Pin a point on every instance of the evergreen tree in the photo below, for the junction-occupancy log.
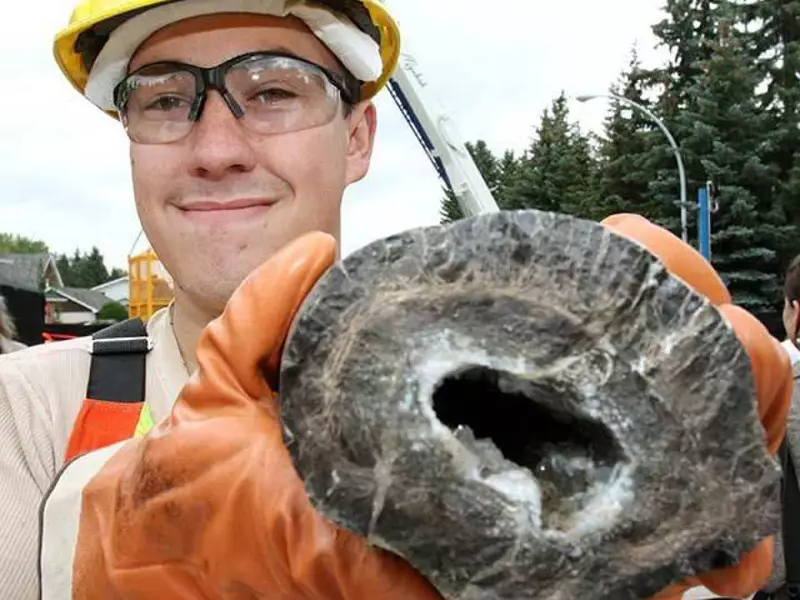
(623, 180)
(486, 162)
(64, 268)
(689, 30)
(509, 169)
(451, 209)
(557, 172)
(488, 167)
(95, 270)
(725, 137)
(688, 27)
(774, 37)
(84, 270)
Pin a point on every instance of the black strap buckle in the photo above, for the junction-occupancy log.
(123, 345)
(118, 369)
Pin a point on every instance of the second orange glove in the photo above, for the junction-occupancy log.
(771, 371)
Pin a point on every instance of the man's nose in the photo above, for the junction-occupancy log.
(220, 145)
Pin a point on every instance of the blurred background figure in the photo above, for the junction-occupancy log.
(791, 310)
(7, 330)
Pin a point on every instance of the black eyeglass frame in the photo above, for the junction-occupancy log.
(213, 78)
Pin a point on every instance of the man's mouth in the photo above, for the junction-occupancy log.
(226, 212)
(226, 205)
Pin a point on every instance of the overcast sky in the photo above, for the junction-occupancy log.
(63, 163)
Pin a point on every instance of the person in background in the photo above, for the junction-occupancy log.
(785, 564)
(7, 330)
(791, 311)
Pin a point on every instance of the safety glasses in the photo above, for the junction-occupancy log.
(268, 92)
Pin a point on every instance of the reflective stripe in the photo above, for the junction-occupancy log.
(101, 423)
(115, 390)
(61, 513)
(145, 423)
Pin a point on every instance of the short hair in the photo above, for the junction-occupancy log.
(7, 328)
(791, 284)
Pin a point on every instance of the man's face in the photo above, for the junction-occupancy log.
(295, 179)
(791, 313)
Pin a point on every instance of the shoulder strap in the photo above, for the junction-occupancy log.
(117, 372)
(115, 392)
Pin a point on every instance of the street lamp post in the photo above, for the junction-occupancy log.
(672, 143)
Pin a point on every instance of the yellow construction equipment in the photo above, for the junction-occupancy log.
(150, 285)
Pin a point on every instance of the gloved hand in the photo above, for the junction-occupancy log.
(772, 375)
(208, 505)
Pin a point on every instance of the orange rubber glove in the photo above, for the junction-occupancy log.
(772, 373)
(208, 505)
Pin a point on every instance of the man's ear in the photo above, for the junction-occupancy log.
(363, 122)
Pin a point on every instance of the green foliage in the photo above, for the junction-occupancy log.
(729, 93)
(112, 311)
(451, 210)
(727, 148)
(557, 171)
(85, 270)
(498, 175)
(16, 244)
(624, 171)
(773, 40)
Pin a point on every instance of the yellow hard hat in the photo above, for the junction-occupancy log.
(93, 21)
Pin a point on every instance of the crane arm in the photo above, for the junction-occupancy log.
(437, 134)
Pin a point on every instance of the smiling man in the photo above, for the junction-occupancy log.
(247, 121)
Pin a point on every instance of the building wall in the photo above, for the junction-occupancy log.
(67, 312)
(116, 290)
(76, 318)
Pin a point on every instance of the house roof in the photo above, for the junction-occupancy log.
(108, 284)
(90, 299)
(25, 271)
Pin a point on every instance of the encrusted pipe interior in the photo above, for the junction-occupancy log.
(509, 422)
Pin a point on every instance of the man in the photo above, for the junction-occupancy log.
(247, 120)
(787, 563)
(216, 195)
(791, 310)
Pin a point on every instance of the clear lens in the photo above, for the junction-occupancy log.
(275, 94)
(280, 95)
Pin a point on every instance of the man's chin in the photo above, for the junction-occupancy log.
(215, 287)
(217, 266)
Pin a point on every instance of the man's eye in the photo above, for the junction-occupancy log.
(166, 103)
(271, 95)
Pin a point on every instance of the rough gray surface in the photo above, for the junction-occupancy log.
(524, 405)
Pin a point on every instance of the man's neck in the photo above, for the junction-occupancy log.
(188, 322)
